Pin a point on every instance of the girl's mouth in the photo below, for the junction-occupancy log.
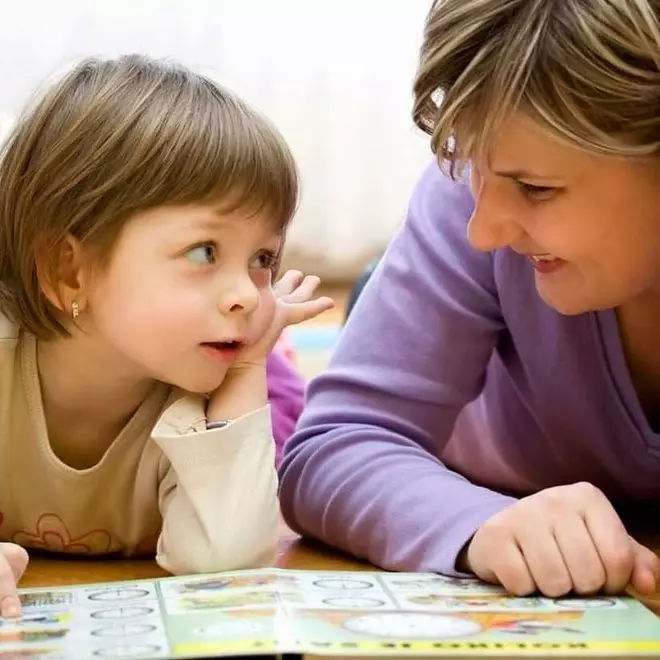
(224, 351)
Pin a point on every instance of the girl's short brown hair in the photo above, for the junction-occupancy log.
(115, 137)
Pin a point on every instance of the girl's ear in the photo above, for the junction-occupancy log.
(62, 274)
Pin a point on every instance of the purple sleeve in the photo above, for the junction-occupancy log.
(363, 471)
(286, 391)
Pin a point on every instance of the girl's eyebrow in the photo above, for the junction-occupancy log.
(521, 174)
(211, 221)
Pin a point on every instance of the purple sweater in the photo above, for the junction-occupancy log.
(286, 392)
(452, 384)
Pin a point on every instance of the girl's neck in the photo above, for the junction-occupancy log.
(87, 397)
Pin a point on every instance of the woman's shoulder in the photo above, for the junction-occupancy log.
(445, 201)
(433, 241)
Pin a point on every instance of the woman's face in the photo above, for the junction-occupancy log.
(590, 224)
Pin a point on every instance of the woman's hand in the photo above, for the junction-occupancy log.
(560, 540)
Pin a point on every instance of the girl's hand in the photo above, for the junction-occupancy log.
(294, 303)
(13, 562)
(560, 540)
(245, 386)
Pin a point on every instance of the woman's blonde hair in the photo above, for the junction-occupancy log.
(586, 70)
(115, 137)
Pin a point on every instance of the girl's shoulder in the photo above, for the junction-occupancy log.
(8, 330)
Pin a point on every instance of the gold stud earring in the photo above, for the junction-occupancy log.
(75, 309)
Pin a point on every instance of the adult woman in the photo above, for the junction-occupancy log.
(497, 386)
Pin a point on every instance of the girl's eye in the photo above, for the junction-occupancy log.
(540, 193)
(264, 260)
(202, 254)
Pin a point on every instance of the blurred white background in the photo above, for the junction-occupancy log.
(334, 76)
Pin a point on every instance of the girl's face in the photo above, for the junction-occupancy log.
(590, 224)
(181, 281)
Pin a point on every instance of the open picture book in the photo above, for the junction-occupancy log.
(271, 612)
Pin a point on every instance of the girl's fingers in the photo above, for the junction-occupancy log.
(304, 291)
(10, 605)
(288, 283)
(299, 312)
(17, 558)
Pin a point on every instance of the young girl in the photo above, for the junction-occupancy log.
(496, 391)
(143, 211)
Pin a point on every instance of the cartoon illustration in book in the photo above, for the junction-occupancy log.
(233, 629)
(463, 601)
(536, 627)
(354, 602)
(45, 599)
(217, 583)
(8, 635)
(440, 581)
(265, 613)
(585, 603)
(54, 618)
(251, 598)
(15, 654)
(527, 623)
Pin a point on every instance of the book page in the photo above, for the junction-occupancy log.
(222, 614)
(319, 613)
(403, 614)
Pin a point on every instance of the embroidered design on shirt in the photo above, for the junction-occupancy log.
(52, 534)
(146, 546)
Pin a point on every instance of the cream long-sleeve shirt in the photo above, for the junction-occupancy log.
(202, 500)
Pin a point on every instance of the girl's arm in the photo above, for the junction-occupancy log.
(363, 471)
(218, 499)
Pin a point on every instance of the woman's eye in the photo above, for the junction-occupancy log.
(264, 260)
(202, 254)
(536, 192)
